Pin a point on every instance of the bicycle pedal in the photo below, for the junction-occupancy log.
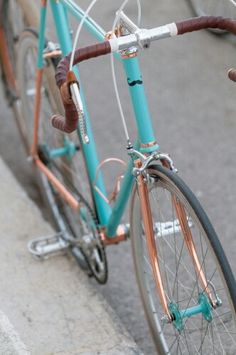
(44, 247)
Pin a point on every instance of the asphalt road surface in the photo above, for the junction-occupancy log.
(194, 112)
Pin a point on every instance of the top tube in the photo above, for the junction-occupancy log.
(89, 23)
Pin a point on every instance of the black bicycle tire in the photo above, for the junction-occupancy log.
(210, 233)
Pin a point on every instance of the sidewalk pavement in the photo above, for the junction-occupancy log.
(50, 306)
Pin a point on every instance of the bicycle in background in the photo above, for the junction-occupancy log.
(186, 283)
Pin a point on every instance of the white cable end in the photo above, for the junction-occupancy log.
(173, 29)
(114, 44)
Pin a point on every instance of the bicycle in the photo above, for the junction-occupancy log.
(189, 309)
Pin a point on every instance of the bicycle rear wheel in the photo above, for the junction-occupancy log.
(15, 16)
(182, 286)
(69, 169)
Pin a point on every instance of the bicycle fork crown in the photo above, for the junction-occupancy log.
(145, 161)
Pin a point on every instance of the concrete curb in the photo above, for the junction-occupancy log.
(48, 307)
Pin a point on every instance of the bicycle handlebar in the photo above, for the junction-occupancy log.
(142, 38)
(65, 78)
(204, 22)
(232, 74)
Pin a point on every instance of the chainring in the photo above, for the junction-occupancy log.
(91, 245)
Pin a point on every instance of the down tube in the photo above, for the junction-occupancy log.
(63, 32)
(121, 202)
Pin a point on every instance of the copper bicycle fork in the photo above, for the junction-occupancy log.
(147, 219)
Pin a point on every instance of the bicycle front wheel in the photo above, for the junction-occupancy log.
(196, 333)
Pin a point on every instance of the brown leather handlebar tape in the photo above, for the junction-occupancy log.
(64, 78)
(232, 74)
(80, 55)
(69, 123)
(199, 23)
(71, 78)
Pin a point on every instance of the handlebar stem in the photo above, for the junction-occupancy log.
(143, 37)
(127, 23)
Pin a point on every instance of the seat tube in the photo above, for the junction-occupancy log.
(39, 76)
(140, 105)
(41, 42)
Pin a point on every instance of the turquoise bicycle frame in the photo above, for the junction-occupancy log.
(108, 217)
